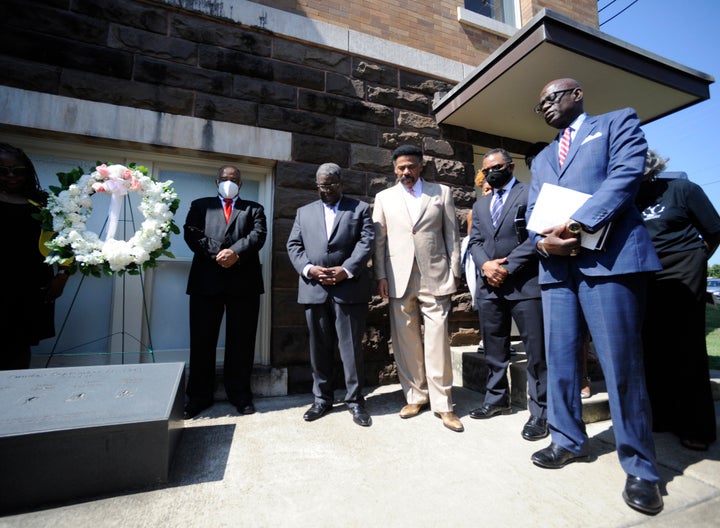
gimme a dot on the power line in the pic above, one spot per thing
(620, 12)
(606, 5)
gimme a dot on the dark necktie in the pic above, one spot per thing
(227, 209)
(564, 146)
(497, 206)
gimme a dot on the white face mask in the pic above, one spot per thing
(228, 189)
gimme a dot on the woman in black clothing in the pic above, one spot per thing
(685, 230)
(29, 285)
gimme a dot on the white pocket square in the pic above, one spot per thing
(590, 138)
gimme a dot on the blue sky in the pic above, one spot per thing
(687, 32)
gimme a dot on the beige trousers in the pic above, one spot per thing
(424, 366)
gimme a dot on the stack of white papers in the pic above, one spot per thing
(555, 205)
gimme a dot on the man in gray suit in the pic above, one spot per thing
(329, 246)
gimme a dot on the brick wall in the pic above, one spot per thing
(338, 107)
(428, 25)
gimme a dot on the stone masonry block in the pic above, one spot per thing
(64, 23)
(379, 73)
(345, 107)
(399, 99)
(367, 158)
(21, 74)
(219, 108)
(288, 200)
(438, 147)
(64, 53)
(392, 139)
(343, 85)
(230, 36)
(279, 118)
(281, 231)
(264, 91)
(421, 123)
(356, 131)
(235, 62)
(131, 14)
(172, 74)
(312, 149)
(298, 76)
(320, 58)
(421, 83)
(298, 175)
(153, 45)
(134, 94)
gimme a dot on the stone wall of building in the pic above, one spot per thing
(339, 107)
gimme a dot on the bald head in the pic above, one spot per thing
(561, 101)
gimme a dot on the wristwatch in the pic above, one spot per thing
(573, 226)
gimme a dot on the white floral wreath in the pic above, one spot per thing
(69, 207)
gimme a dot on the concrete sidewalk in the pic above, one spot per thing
(272, 469)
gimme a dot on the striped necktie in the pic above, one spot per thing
(564, 146)
(497, 205)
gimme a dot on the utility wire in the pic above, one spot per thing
(606, 5)
(620, 12)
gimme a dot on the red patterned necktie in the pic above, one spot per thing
(227, 209)
(564, 146)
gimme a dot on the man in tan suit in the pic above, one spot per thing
(417, 264)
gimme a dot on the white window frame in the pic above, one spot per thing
(476, 20)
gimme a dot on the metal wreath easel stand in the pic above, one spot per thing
(127, 209)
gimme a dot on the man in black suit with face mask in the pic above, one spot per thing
(508, 289)
(225, 234)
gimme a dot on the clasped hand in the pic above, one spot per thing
(226, 257)
(328, 276)
(494, 271)
(560, 241)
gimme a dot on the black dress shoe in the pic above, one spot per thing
(535, 429)
(555, 457)
(246, 408)
(317, 410)
(642, 495)
(192, 409)
(488, 411)
(360, 415)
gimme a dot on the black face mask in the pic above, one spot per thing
(497, 179)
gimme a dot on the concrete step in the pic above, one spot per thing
(470, 371)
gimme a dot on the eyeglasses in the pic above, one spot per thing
(328, 186)
(552, 98)
(19, 170)
(493, 168)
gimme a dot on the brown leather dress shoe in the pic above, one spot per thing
(451, 421)
(412, 409)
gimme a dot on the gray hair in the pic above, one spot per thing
(654, 164)
(329, 169)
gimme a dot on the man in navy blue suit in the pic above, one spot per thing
(508, 288)
(603, 156)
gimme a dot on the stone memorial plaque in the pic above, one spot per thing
(68, 433)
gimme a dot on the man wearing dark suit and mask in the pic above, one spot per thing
(225, 234)
(603, 156)
(329, 246)
(508, 288)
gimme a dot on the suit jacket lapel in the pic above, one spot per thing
(338, 216)
(584, 131)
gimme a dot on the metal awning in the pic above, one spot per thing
(497, 98)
